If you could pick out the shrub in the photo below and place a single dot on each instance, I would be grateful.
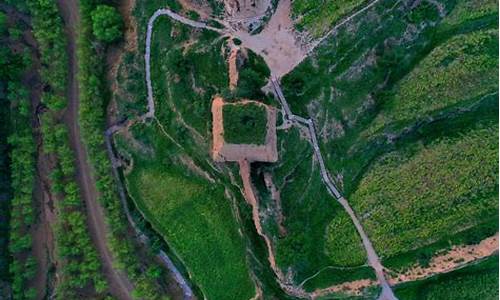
(107, 23)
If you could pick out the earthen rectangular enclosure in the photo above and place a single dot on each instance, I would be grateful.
(222, 151)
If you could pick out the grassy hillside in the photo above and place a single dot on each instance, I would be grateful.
(172, 178)
(319, 234)
(425, 192)
(318, 16)
(405, 101)
(195, 218)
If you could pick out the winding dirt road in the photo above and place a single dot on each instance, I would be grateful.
(119, 285)
(372, 256)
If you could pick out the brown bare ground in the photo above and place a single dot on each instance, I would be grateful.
(277, 43)
(222, 151)
(352, 288)
(233, 67)
(200, 7)
(276, 196)
(455, 258)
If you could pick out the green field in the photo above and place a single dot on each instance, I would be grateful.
(196, 220)
(428, 191)
(244, 123)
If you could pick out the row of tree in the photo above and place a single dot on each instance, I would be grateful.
(80, 267)
(92, 45)
(17, 162)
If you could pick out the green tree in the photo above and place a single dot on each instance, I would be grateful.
(107, 23)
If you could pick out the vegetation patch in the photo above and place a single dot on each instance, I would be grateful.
(318, 18)
(424, 193)
(244, 123)
(312, 243)
(463, 68)
(195, 219)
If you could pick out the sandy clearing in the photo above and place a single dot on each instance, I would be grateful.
(277, 43)
(233, 67)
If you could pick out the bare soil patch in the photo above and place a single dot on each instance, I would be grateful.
(278, 43)
(352, 288)
(453, 259)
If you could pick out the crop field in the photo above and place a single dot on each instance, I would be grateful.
(318, 18)
(244, 123)
(463, 68)
(478, 281)
(429, 191)
(196, 220)
(407, 119)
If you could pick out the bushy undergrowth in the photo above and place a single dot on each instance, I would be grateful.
(313, 240)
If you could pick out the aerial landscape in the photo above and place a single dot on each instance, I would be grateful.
(249, 149)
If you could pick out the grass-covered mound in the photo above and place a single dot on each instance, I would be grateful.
(244, 123)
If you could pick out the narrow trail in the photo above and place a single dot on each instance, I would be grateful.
(119, 284)
(147, 56)
(372, 256)
(150, 114)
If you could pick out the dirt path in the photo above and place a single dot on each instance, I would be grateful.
(162, 257)
(119, 285)
(372, 256)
